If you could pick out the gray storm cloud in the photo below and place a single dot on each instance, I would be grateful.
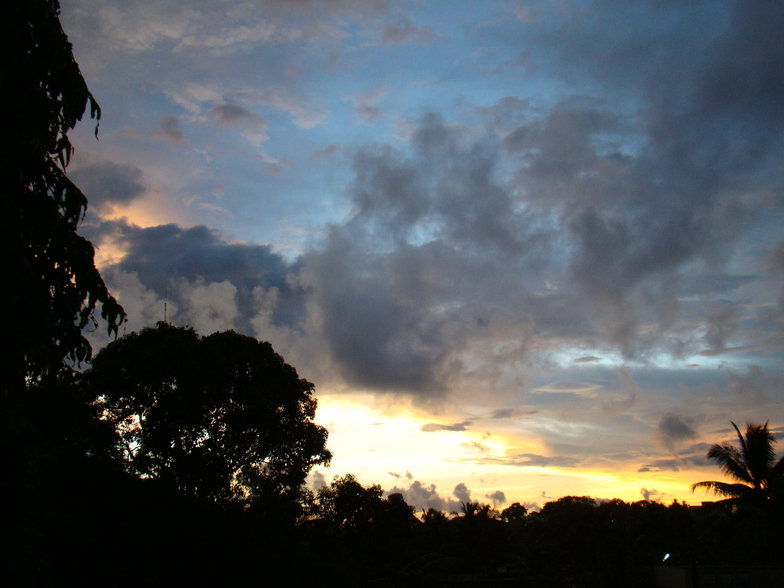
(611, 212)
(677, 427)
(108, 183)
(496, 498)
(674, 429)
(462, 493)
(471, 251)
(212, 284)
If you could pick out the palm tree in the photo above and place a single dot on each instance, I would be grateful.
(754, 468)
(433, 516)
(470, 509)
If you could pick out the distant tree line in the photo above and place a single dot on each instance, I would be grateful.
(187, 455)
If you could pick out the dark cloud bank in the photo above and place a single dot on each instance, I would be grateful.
(108, 183)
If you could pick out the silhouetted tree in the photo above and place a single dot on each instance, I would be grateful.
(52, 285)
(477, 537)
(566, 542)
(220, 418)
(479, 511)
(514, 513)
(397, 514)
(468, 509)
(758, 476)
(435, 527)
(347, 504)
(434, 516)
(573, 507)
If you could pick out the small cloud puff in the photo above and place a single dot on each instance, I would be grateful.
(433, 427)
(404, 32)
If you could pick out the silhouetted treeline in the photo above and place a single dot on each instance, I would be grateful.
(183, 458)
(96, 523)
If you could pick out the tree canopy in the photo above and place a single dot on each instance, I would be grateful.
(348, 504)
(56, 286)
(221, 417)
(514, 513)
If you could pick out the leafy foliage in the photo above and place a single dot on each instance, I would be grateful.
(56, 285)
(51, 287)
(570, 506)
(348, 504)
(221, 417)
(514, 513)
(754, 468)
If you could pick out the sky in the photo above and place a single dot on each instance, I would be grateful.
(523, 248)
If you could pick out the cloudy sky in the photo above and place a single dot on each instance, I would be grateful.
(523, 248)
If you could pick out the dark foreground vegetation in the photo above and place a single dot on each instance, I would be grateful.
(183, 458)
(89, 523)
(180, 460)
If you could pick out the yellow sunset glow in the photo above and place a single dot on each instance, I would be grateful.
(381, 446)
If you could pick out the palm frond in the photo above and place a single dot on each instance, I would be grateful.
(777, 471)
(722, 488)
(740, 438)
(776, 475)
(758, 453)
(731, 462)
